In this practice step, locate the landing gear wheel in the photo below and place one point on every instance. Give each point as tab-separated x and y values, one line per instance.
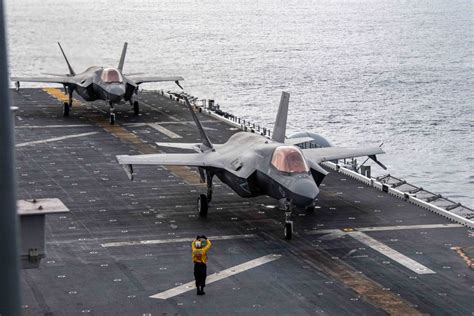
112	118
136	108
202	205
66	109
288	230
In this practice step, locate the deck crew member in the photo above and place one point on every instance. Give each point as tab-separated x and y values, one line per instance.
200	246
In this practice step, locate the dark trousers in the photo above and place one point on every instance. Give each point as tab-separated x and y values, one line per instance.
200	273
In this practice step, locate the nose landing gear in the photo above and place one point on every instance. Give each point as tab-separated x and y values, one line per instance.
288	225
112	114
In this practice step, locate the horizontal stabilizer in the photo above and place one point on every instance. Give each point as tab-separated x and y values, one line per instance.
299	140
334	153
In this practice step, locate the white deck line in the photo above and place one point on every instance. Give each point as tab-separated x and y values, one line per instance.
52	126
175	240
164	130
385	228
391	253
54	139
403	227
217	276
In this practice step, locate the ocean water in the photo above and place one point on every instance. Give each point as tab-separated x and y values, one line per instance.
359	72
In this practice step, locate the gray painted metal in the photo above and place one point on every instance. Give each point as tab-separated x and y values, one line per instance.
9	263
245	163
91	86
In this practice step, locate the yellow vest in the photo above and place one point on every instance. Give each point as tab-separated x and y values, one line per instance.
199	254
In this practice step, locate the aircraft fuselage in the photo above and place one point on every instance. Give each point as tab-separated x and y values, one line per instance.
249	171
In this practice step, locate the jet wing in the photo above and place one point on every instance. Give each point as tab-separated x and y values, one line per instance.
144	79
192	160
58	79
190	146
333	153
185	159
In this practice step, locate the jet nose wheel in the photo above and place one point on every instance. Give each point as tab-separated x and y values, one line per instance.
66	109
112	118
136	108
288	230
202	205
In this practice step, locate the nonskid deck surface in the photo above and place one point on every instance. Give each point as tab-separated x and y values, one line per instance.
360	252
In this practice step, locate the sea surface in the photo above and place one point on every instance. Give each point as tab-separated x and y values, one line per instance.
395	72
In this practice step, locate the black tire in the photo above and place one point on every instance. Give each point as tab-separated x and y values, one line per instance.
136	108
66	109
202	205
288	231
112	119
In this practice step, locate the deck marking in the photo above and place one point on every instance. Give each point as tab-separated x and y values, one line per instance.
217	276
54	139
168	123
391	253
175	240
158	110
403	227
385	228
164	130
52	126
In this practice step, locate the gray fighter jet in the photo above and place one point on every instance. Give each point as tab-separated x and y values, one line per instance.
253	165
99	83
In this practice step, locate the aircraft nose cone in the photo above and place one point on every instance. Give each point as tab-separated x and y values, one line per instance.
304	190
116	90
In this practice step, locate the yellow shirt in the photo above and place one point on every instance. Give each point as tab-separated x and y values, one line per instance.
199	254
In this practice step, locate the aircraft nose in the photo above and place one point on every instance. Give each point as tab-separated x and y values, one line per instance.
115	92
306	189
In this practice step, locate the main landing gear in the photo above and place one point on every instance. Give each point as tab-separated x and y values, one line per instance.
67	105
203	199
135	106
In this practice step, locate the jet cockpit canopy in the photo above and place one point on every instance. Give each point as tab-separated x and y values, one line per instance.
289	159
111	75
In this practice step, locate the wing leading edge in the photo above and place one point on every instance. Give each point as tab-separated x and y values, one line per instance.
333	153
145	79
59	79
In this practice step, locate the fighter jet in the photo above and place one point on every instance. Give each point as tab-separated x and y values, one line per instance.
253	165
99	83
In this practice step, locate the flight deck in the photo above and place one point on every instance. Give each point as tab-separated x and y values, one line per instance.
124	246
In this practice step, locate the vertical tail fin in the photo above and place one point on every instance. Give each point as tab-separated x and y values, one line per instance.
71	71
205	140
122	57
279	130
